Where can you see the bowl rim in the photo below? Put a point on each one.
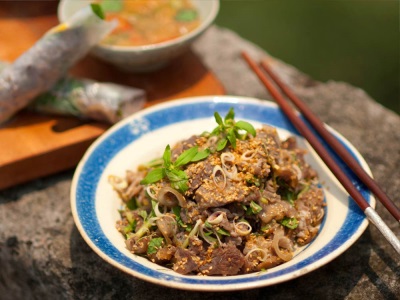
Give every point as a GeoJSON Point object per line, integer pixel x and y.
{"type": "Point", "coordinates": [227, 284]}
{"type": "Point", "coordinates": [176, 41]}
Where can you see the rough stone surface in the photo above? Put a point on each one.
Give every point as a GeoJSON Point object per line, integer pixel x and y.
{"type": "Point", "coordinates": [43, 256]}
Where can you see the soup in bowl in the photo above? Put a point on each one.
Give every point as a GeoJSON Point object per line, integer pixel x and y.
{"type": "Point", "coordinates": [149, 33]}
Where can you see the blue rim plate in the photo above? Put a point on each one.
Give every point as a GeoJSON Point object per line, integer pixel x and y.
{"type": "Point", "coordinates": [144, 136]}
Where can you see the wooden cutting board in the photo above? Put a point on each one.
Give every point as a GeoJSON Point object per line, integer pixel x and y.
{"type": "Point", "coordinates": [33, 145]}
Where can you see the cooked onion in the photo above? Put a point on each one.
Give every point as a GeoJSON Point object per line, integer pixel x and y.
{"type": "Point", "coordinates": [170, 197]}
{"type": "Point", "coordinates": [227, 157]}
{"type": "Point", "coordinates": [320, 215]}
{"type": "Point", "coordinates": [286, 256]}
{"type": "Point", "coordinates": [212, 141]}
{"type": "Point", "coordinates": [241, 232]}
{"type": "Point", "coordinates": [247, 155]}
{"type": "Point", "coordinates": [299, 173]}
{"type": "Point", "coordinates": [207, 238]}
{"type": "Point", "coordinates": [157, 211]}
{"type": "Point", "coordinates": [220, 183]}
{"type": "Point", "coordinates": [216, 217]}
{"type": "Point", "coordinates": [264, 254]}
{"type": "Point", "coordinates": [230, 169]}
{"type": "Point", "coordinates": [151, 192]}
{"type": "Point", "coordinates": [167, 226]}
{"type": "Point", "coordinates": [117, 183]}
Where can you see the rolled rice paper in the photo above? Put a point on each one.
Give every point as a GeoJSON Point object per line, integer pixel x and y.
{"type": "Point", "coordinates": [88, 99]}
{"type": "Point", "coordinates": [84, 98]}
{"type": "Point", "coordinates": [39, 68]}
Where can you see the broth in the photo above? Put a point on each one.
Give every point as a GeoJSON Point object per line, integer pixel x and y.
{"type": "Point", "coordinates": [144, 22]}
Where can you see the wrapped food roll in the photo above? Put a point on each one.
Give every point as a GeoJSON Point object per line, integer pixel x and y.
{"type": "Point", "coordinates": [84, 98]}
{"type": "Point", "coordinates": [38, 69]}
{"type": "Point", "coordinates": [88, 99]}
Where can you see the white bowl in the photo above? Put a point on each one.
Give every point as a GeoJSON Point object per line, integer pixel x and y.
{"type": "Point", "coordinates": [146, 57]}
{"type": "Point", "coordinates": [144, 135]}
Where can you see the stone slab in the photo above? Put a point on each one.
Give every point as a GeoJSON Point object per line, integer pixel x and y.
{"type": "Point", "coordinates": [43, 256]}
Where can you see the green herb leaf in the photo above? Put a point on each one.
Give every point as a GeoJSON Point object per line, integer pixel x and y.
{"type": "Point", "coordinates": [177, 212]}
{"type": "Point", "coordinates": [290, 223]}
{"type": "Point", "coordinates": [228, 130]}
{"type": "Point", "coordinates": [232, 138]}
{"type": "Point", "coordinates": [186, 157]}
{"type": "Point", "coordinates": [221, 144]}
{"type": "Point", "coordinates": [230, 115]}
{"type": "Point", "coordinates": [246, 127]}
{"type": "Point", "coordinates": [114, 5]}
{"type": "Point", "coordinates": [218, 119]}
{"type": "Point", "coordinates": [131, 227]}
{"type": "Point", "coordinates": [265, 227]}
{"type": "Point", "coordinates": [178, 179]}
{"type": "Point", "coordinates": [167, 156]}
{"type": "Point", "coordinates": [201, 155]}
{"type": "Point", "coordinates": [222, 231]}
{"type": "Point", "coordinates": [153, 176]}
{"type": "Point", "coordinates": [97, 10]}
{"type": "Point", "coordinates": [143, 214]}
{"type": "Point", "coordinates": [132, 203]}
{"type": "Point", "coordinates": [255, 208]}
{"type": "Point", "coordinates": [290, 196]}
{"type": "Point", "coordinates": [186, 15]}
{"type": "Point", "coordinates": [154, 245]}
{"type": "Point", "coordinates": [207, 224]}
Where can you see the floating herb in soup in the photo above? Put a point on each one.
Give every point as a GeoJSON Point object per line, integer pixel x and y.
{"type": "Point", "coordinates": [143, 22]}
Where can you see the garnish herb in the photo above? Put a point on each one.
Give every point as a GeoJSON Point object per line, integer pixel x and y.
{"type": "Point", "coordinates": [148, 222]}
{"type": "Point", "coordinates": [290, 223]}
{"type": "Point", "coordinates": [112, 6]}
{"type": "Point", "coordinates": [255, 208]}
{"type": "Point", "coordinates": [132, 204]}
{"type": "Point", "coordinates": [186, 15]}
{"type": "Point", "coordinates": [154, 245]}
{"type": "Point", "coordinates": [172, 170]}
{"type": "Point", "coordinates": [222, 231]}
{"type": "Point", "coordinates": [177, 212]}
{"type": "Point", "coordinates": [228, 129]}
{"type": "Point", "coordinates": [97, 10]}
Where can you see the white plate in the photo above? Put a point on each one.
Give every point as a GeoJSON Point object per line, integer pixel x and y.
{"type": "Point", "coordinates": [144, 136]}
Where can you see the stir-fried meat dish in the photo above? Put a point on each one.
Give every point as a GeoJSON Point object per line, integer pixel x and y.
{"type": "Point", "coordinates": [233, 201]}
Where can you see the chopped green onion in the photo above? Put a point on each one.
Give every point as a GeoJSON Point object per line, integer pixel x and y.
{"type": "Point", "coordinates": [290, 223]}
{"type": "Point", "coordinates": [255, 208]}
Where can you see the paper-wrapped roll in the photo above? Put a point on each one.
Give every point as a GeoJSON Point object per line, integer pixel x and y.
{"type": "Point", "coordinates": [84, 98]}
{"type": "Point", "coordinates": [38, 69]}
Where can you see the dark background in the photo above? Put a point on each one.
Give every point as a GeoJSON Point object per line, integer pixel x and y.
{"type": "Point", "coordinates": [355, 41]}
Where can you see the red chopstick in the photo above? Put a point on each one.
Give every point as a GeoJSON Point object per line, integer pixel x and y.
{"type": "Point", "coordinates": [335, 145]}
{"type": "Point", "coordinates": [324, 155]}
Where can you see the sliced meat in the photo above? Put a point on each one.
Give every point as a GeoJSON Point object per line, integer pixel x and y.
{"type": "Point", "coordinates": [225, 260]}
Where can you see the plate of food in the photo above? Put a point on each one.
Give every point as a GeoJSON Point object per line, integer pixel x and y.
{"type": "Point", "coordinates": [213, 193]}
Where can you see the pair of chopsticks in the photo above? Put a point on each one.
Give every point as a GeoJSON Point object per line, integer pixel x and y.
{"type": "Point", "coordinates": [313, 140]}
